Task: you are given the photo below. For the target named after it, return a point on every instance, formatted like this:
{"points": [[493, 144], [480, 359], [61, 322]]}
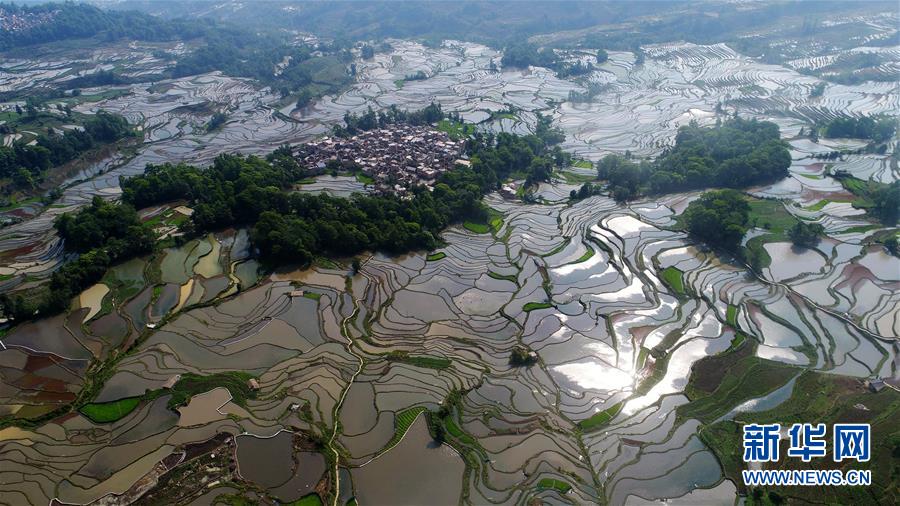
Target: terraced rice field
{"points": [[594, 420], [617, 306]]}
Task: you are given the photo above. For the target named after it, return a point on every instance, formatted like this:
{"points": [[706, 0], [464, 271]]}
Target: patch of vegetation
{"points": [[817, 90], [428, 362], [191, 384], [554, 484], [216, 122], [532, 306], [876, 129], [736, 154], [456, 129], [495, 220], [307, 500], [737, 341], [24, 164], [818, 206], [573, 178], [718, 218], [582, 164], [720, 382], [674, 279], [402, 423], [731, 315], [859, 229], [364, 179], [586, 256], [882, 201], [506, 277], [522, 357], [601, 418], [806, 235], [586, 190], [771, 215], [106, 412], [312, 295], [103, 233], [433, 257], [477, 228]]}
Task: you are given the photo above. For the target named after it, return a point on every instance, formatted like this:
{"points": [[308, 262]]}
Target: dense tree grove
{"points": [[355, 123], [886, 200], [115, 228], [102, 233], [216, 121], [523, 54], [805, 235], [296, 227], [735, 154], [586, 190], [718, 218], [533, 157], [231, 191], [878, 130], [80, 20], [25, 163]]}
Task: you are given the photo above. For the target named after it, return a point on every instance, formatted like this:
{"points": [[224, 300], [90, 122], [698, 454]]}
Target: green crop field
{"points": [[106, 412]]}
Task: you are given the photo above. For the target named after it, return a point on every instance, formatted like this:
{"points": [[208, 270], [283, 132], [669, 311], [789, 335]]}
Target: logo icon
{"points": [[761, 442], [851, 441], [807, 441]]}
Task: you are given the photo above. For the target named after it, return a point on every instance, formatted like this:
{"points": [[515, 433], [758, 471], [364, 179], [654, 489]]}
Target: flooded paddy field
{"points": [[639, 109], [344, 366], [368, 352]]}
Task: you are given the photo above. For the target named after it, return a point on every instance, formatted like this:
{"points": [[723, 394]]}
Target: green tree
{"points": [[805, 234], [718, 218]]}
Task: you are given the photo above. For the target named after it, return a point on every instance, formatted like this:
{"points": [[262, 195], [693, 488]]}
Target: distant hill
{"points": [[25, 25], [493, 22]]}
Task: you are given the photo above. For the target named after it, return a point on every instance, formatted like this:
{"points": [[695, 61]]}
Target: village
{"points": [[397, 158], [13, 21]]}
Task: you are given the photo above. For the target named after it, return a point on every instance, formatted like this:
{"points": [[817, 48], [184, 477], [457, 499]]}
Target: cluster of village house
{"points": [[397, 157], [12, 22]]}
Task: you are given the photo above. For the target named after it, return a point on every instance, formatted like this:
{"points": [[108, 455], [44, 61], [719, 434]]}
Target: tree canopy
{"points": [[735, 154], [877, 129], [25, 163], [718, 218]]}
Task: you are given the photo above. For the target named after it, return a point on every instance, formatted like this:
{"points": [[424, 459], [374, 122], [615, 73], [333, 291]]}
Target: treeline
{"points": [[25, 164], [297, 227], [886, 200], [102, 234], [876, 129], [734, 154], [234, 190], [522, 54], [53, 22], [370, 120], [532, 157]]}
